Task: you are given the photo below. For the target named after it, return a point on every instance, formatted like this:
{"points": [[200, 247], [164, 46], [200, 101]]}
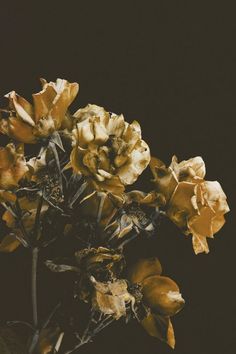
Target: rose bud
{"points": [[162, 295]]}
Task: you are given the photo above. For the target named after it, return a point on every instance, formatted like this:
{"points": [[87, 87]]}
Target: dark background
{"points": [[172, 66]]}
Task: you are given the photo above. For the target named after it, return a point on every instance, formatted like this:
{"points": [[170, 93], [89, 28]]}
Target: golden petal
{"points": [[202, 224], [164, 178], [22, 107], [43, 101], [66, 93], [116, 125], [188, 169], [181, 200], [100, 133], [138, 161], [199, 243], [91, 111], [144, 268], [159, 327]]}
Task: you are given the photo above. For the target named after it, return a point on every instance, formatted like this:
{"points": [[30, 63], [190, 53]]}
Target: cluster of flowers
{"points": [[66, 176]]}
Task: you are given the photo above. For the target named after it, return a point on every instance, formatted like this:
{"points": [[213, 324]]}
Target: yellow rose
{"points": [[27, 123], [107, 150], [193, 204]]}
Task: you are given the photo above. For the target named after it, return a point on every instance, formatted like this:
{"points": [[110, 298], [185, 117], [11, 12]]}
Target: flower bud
{"points": [[162, 295]]}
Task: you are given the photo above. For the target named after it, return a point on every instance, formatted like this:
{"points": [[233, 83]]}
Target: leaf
{"points": [[160, 327], [60, 268], [9, 243], [56, 139]]}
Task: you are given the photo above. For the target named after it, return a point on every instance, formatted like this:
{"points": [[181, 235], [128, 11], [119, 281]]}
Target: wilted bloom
{"points": [[12, 166], [193, 204], [112, 297], [100, 262], [26, 122], [161, 295], [107, 150]]}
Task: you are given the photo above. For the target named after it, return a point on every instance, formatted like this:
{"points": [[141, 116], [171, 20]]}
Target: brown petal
{"points": [[181, 206], [21, 106], [164, 178], [15, 128], [9, 243], [144, 268]]}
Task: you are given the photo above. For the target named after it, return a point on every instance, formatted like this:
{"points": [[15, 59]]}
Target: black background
{"points": [[172, 66]]}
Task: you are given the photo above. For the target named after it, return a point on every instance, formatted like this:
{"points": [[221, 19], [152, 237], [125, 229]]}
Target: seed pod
{"points": [[144, 268], [162, 295]]}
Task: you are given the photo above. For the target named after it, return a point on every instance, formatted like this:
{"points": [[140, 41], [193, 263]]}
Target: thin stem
{"points": [[37, 219], [35, 252], [102, 197], [132, 237], [88, 335]]}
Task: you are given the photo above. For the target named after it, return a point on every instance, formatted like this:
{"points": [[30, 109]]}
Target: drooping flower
{"points": [[27, 123], [107, 150], [12, 166], [193, 204], [161, 296]]}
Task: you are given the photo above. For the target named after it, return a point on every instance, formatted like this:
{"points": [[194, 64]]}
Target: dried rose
{"points": [[160, 294], [107, 150], [27, 123], [12, 167], [111, 298], [99, 260], [193, 204]]}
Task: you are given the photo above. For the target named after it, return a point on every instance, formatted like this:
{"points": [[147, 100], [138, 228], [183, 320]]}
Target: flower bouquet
{"points": [[66, 178]]}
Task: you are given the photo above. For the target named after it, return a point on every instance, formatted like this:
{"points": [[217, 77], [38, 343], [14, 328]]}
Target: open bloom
{"points": [[161, 296], [107, 150], [26, 122], [193, 204], [12, 166]]}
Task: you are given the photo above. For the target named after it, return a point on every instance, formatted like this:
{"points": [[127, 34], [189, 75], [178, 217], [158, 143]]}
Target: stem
{"points": [[89, 334], [34, 285]]}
